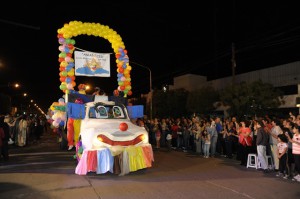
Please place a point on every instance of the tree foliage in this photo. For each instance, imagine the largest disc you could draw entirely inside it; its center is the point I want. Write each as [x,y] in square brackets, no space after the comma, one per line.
[251,99]
[170,103]
[202,100]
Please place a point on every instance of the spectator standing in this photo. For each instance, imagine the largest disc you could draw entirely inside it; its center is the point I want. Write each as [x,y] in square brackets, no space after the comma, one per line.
[4,128]
[229,138]
[197,137]
[9,120]
[2,136]
[23,128]
[236,127]
[296,148]
[282,148]
[261,143]
[245,141]
[267,127]
[275,131]
[164,131]
[157,132]
[220,141]
[174,131]
[213,138]
[290,157]
[206,138]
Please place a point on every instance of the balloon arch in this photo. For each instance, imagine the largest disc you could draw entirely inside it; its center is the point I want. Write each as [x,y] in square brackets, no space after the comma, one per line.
[66,48]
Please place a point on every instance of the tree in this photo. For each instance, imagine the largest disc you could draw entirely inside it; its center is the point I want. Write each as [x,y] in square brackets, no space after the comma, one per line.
[202,100]
[170,103]
[251,99]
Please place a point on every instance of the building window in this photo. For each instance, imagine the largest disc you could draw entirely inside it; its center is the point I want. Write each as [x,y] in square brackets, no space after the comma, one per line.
[289,90]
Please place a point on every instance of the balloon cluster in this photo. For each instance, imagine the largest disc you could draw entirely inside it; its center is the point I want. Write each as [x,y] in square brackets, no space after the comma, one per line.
[59,113]
[124,80]
[66,48]
[66,66]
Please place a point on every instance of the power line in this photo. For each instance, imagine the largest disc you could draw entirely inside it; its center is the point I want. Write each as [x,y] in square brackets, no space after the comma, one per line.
[19,24]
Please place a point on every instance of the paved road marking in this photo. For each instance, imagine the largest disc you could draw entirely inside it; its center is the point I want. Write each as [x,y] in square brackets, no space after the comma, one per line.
[243,194]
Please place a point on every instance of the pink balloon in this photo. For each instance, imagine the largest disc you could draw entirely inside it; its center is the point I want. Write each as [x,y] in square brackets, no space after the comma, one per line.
[61,48]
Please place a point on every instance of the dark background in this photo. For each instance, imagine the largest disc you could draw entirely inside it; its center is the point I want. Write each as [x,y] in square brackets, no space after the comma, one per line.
[169,38]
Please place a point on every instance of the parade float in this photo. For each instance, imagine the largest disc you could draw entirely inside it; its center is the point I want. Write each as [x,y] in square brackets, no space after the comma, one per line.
[100,127]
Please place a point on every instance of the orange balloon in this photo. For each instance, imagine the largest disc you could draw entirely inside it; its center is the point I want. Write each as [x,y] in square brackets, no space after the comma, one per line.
[62,79]
[120,64]
[69,54]
[70,46]
[61,59]
[120,70]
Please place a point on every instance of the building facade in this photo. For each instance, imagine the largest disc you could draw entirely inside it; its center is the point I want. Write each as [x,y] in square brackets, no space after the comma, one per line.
[285,77]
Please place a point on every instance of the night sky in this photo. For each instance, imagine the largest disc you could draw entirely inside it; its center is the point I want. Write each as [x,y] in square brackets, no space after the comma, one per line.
[171,39]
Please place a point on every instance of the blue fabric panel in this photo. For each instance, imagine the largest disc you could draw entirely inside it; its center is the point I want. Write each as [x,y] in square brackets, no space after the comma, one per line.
[76,111]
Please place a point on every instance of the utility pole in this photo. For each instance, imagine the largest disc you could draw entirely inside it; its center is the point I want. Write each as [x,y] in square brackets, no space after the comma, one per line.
[150,85]
[233,62]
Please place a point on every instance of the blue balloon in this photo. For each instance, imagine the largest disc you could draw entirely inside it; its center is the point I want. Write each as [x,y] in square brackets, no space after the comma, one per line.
[68,80]
[62,123]
[67,50]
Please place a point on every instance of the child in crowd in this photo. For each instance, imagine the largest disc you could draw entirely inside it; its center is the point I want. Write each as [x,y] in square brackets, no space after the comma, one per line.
[206,138]
[282,148]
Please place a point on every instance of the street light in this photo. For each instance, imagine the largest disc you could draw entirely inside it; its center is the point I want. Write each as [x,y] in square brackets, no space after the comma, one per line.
[16,85]
[20,102]
[150,78]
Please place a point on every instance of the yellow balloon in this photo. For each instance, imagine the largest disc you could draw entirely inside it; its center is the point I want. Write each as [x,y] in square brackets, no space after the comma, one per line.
[71,73]
[126,71]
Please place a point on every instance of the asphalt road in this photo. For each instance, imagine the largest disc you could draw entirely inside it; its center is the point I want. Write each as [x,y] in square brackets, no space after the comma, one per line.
[44,171]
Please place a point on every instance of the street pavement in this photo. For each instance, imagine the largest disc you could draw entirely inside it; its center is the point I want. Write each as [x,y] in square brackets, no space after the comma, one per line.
[46,171]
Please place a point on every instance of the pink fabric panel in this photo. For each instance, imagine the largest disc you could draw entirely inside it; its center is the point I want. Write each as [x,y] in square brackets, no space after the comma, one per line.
[81,168]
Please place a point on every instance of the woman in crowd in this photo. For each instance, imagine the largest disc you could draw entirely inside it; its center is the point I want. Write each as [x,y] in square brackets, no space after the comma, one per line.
[295,148]
[245,141]
[261,143]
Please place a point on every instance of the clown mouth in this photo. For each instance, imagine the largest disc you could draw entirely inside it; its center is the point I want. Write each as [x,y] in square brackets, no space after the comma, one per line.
[106,140]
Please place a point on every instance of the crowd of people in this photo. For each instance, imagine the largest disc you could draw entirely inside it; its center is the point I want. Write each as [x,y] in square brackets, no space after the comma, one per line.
[209,137]
[20,131]
[230,138]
